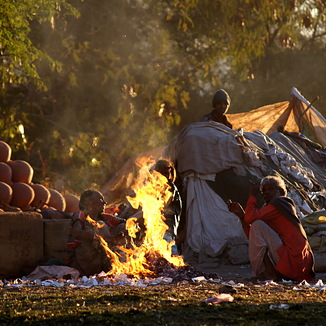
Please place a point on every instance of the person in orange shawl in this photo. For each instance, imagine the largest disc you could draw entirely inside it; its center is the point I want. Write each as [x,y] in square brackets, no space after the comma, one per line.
[278,245]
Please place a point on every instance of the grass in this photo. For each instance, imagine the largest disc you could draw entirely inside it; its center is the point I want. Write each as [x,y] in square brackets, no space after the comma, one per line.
[160,305]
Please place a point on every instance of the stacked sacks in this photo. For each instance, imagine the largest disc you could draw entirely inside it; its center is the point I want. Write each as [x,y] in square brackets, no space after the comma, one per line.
[72,203]
[22,195]
[5,176]
[5,173]
[5,152]
[21,171]
[57,201]
[5,194]
[42,196]
[33,223]
[15,177]
[315,227]
[56,206]
[17,192]
[21,236]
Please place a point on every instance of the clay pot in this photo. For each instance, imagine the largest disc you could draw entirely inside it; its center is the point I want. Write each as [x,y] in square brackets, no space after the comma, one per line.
[57,201]
[5,152]
[72,203]
[5,193]
[21,171]
[22,195]
[5,173]
[42,195]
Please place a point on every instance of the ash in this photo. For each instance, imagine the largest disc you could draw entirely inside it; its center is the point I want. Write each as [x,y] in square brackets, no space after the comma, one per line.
[162,268]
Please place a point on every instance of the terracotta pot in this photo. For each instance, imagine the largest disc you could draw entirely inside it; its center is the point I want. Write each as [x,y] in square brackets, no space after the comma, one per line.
[57,201]
[5,193]
[5,173]
[21,171]
[42,195]
[5,152]
[72,203]
[22,195]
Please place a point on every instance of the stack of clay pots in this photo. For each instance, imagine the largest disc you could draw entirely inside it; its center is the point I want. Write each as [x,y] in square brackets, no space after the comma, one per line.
[18,191]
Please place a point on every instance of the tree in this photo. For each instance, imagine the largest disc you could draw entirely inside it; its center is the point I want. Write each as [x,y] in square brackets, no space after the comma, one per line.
[132,73]
[19,57]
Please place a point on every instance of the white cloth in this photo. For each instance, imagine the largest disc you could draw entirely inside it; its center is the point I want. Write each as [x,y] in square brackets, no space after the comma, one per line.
[201,150]
[282,159]
[208,217]
[206,148]
[53,271]
[262,238]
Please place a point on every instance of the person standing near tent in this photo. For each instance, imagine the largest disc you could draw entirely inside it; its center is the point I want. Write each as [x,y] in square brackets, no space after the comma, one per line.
[278,245]
[220,103]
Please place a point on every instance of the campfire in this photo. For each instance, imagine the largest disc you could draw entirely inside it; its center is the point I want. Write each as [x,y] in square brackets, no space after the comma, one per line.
[153,254]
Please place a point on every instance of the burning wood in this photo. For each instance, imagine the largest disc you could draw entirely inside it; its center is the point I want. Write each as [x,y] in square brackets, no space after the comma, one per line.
[153,254]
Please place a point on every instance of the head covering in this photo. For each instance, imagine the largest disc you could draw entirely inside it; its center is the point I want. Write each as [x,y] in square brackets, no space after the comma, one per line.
[220,96]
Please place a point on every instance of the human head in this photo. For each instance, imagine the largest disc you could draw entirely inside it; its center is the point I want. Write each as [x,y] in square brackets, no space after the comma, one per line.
[92,202]
[166,168]
[272,187]
[221,101]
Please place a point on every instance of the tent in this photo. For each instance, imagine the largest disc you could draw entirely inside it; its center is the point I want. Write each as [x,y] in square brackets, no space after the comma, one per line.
[296,115]
[215,163]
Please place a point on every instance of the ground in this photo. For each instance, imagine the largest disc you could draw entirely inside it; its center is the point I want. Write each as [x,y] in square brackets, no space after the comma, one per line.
[180,303]
[239,272]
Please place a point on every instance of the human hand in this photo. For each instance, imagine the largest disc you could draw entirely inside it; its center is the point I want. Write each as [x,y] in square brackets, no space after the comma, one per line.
[235,208]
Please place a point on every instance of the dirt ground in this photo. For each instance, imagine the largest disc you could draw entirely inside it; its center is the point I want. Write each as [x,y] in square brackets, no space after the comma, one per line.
[238,272]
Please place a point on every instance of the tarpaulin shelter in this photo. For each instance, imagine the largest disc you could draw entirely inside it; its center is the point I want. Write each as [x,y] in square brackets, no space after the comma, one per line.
[215,163]
[296,115]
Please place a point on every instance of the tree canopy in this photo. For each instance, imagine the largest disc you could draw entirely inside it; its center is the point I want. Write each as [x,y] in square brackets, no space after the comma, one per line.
[85,85]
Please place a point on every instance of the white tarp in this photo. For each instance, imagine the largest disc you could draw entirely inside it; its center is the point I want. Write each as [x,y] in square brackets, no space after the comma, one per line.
[206,148]
[208,217]
[201,150]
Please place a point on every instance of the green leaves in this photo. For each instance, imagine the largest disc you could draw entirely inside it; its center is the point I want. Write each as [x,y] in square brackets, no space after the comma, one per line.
[131,73]
[18,53]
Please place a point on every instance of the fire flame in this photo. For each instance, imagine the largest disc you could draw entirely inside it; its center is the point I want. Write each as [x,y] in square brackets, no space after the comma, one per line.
[94,223]
[152,193]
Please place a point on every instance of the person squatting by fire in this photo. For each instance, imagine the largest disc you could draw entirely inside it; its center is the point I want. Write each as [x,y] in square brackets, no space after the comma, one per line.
[101,242]
[278,245]
[89,223]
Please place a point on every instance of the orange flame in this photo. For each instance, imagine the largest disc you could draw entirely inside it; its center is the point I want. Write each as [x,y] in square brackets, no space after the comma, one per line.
[152,193]
[94,223]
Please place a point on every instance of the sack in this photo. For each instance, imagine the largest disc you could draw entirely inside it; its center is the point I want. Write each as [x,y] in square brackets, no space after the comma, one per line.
[21,243]
[55,235]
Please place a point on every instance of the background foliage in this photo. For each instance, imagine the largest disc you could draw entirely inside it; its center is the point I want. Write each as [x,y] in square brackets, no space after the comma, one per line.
[85,85]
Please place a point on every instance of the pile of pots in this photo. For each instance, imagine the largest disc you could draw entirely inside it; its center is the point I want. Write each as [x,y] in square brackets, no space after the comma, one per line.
[18,192]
